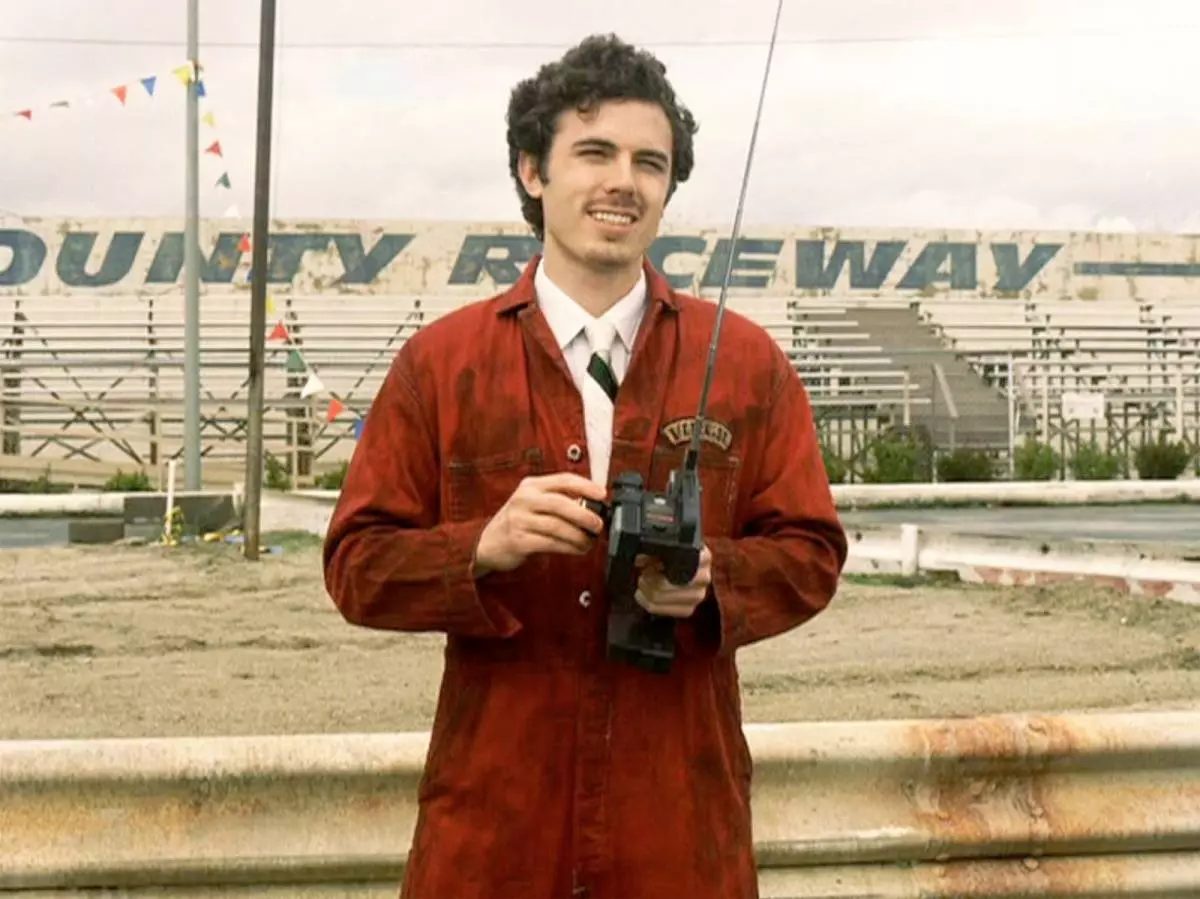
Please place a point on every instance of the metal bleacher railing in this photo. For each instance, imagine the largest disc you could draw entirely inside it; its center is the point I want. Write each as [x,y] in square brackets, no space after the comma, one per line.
[1141,356]
[94,384]
[1112,345]
[833,355]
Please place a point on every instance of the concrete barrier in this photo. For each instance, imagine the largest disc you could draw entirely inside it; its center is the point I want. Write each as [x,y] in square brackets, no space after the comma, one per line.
[1024,805]
[92,504]
[279,511]
[1042,493]
[27,505]
[1130,568]
[847,496]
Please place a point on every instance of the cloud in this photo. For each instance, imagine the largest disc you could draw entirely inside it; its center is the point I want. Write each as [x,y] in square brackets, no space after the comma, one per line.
[935,112]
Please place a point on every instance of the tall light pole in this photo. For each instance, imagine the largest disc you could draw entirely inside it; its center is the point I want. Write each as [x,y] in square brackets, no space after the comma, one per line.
[258,287]
[191,262]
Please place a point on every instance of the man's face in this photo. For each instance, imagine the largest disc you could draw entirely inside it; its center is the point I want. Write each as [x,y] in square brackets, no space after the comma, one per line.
[608,173]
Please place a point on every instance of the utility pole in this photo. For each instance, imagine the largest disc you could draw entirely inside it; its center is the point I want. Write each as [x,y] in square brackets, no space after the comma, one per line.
[258,287]
[191,262]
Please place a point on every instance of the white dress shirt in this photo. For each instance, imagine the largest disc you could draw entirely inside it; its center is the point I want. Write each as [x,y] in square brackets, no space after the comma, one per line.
[567,320]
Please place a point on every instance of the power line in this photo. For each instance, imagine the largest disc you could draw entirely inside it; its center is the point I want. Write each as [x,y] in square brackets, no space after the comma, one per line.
[556,45]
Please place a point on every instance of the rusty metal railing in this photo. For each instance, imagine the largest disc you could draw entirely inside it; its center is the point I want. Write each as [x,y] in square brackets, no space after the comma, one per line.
[1052,806]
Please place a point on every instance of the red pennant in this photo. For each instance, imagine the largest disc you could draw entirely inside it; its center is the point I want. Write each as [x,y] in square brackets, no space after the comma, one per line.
[244,244]
[280,332]
[26,113]
[335,409]
[215,148]
[120,93]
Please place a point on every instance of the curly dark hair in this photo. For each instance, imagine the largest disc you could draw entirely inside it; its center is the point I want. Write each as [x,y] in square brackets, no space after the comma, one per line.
[599,68]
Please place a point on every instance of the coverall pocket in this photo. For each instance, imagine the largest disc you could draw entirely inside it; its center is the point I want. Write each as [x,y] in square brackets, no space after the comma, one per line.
[479,487]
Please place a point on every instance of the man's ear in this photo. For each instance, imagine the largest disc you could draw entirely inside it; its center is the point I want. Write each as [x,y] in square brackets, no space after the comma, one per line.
[531,178]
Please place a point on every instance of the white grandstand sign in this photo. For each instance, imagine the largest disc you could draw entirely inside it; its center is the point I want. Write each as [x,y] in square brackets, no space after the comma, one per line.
[1083,406]
[473,259]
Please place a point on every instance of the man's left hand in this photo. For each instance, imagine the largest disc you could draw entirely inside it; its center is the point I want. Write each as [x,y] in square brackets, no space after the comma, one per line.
[659,596]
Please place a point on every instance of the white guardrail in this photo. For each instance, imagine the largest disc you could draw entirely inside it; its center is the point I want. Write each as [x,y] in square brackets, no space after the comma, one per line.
[1058,807]
[847,496]
[909,550]
[903,549]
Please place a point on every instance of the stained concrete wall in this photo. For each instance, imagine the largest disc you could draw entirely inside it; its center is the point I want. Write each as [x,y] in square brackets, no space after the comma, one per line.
[469,259]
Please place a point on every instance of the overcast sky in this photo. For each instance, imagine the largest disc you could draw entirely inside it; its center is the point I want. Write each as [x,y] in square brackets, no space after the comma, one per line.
[928,113]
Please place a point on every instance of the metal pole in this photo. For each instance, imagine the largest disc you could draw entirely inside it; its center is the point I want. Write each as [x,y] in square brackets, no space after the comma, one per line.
[191,263]
[258,287]
[1012,418]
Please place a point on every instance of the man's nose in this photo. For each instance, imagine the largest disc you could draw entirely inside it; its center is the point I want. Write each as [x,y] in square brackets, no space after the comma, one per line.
[619,176]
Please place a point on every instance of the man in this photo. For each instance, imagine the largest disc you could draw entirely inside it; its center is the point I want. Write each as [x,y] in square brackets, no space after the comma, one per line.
[553,772]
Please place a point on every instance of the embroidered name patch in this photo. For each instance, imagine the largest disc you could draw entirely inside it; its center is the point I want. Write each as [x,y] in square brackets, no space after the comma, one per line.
[680,431]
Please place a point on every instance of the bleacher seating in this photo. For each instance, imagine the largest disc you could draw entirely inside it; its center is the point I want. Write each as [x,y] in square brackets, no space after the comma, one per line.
[1116,346]
[102,377]
[1143,357]
[835,358]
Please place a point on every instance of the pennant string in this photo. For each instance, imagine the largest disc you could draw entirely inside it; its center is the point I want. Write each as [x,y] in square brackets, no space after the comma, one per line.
[188,73]
[185,74]
[298,363]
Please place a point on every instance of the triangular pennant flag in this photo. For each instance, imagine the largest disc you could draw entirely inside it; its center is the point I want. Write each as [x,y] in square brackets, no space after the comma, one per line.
[120,93]
[232,212]
[26,113]
[148,84]
[359,424]
[200,92]
[335,409]
[223,181]
[210,120]
[214,147]
[280,332]
[295,362]
[183,73]
[249,275]
[270,305]
[244,244]
[312,386]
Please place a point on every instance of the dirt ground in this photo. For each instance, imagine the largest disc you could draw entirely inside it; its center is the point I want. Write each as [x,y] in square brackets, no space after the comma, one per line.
[150,641]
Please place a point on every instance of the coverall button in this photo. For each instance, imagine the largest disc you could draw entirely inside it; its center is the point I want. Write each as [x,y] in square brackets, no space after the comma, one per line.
[574,452]
[585,598]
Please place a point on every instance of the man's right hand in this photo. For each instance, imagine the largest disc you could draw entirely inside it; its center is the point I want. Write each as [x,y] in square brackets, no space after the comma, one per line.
[543,515]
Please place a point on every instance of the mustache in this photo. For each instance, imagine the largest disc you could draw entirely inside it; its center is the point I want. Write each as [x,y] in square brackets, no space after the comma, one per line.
[632,208]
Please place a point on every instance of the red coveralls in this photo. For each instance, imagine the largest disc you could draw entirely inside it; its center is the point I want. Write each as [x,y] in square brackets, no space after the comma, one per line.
[553,773]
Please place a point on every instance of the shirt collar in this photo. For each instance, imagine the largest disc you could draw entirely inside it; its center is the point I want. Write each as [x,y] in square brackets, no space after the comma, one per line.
[567,318]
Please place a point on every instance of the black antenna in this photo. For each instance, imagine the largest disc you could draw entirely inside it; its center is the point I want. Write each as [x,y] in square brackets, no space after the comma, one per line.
[691,460]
